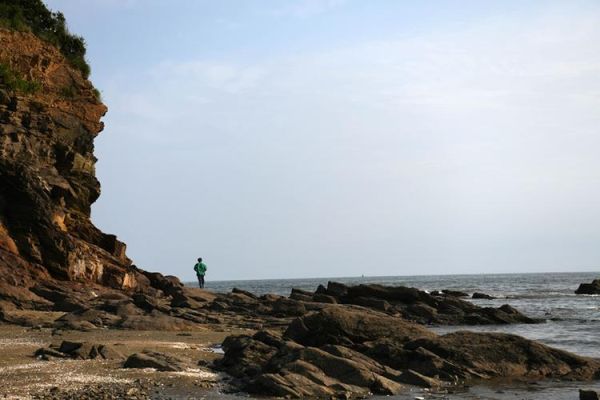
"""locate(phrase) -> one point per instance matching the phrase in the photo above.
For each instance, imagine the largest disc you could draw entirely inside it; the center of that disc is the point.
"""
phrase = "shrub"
(33, 15)
(68, 92)
(11, 80)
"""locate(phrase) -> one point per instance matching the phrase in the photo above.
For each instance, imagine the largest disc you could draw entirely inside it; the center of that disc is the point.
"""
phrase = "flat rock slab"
(156, 360)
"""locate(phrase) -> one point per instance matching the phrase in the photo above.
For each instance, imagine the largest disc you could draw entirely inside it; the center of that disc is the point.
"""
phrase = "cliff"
(49, 116)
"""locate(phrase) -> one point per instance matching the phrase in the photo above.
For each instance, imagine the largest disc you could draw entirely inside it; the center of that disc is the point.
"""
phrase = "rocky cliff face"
(48, 123)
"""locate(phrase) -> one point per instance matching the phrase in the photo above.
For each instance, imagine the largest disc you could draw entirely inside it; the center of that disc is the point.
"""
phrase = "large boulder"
(342, 325)
(156, 360)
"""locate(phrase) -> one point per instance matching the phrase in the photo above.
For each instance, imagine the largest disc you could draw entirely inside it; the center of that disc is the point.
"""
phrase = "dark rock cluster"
(444, 308)
(349, 352)
(79, 351)
(176, 307)
(154, 359)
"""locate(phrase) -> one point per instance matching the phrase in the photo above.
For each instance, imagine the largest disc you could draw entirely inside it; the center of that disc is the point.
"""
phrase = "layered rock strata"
(344, 352)
(47, 179)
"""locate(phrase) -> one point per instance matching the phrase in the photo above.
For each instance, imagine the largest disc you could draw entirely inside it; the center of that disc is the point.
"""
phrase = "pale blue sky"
(336, 138)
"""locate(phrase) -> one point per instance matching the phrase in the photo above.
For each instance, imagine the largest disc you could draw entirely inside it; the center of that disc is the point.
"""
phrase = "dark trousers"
(201, 281)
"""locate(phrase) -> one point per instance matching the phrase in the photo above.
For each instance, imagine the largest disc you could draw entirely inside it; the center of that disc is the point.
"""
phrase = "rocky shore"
(340, 341)
(79, 320)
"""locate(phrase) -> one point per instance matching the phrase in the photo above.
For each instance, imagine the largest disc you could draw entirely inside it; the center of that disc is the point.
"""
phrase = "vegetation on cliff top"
(34, 16)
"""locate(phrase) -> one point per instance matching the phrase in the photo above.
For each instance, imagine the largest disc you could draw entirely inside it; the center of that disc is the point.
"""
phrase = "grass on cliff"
(12, 81)
(34, 16)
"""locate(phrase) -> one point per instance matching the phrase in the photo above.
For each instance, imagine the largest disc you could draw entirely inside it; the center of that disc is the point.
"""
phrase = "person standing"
(200, 269)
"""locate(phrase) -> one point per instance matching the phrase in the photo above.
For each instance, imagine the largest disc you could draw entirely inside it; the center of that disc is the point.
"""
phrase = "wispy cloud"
(304, 8)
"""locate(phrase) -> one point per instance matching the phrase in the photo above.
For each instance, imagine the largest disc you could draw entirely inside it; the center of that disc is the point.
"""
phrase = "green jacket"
(200, 269)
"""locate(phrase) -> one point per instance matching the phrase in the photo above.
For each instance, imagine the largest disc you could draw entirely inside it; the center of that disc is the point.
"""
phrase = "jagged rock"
(422, 307)
(589, 288)
(344, 351)
(156, 360)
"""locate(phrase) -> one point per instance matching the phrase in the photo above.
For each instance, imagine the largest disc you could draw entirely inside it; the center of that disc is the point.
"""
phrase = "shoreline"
(235, 313)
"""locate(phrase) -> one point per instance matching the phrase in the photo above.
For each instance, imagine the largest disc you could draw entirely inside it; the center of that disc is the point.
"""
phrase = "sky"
(327, 138)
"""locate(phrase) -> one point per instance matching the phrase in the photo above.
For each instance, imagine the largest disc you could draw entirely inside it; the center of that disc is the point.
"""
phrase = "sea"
(572, 321)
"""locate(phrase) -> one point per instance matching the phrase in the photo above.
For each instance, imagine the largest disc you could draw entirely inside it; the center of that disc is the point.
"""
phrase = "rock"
(195, 298)
(411, 377)
(288, 308)
(301, 297)
(336, 289)
(156, 360)
(589, 395)
(589, 288)
(323, 298)
(5, 99)
(422, 307)
(244, 292)
(155, 320)
(86, 319)
(478, 295)
(81, 351)
(337, 325)
(301, 292)
(351, 351)
(454, 293)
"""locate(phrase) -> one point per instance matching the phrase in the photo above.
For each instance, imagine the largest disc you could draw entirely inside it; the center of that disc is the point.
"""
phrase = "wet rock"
(478, 295)
(156, 360)
(454, 293)
(422, 307)
(345, 351)
(589, 395)
(589, 288)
